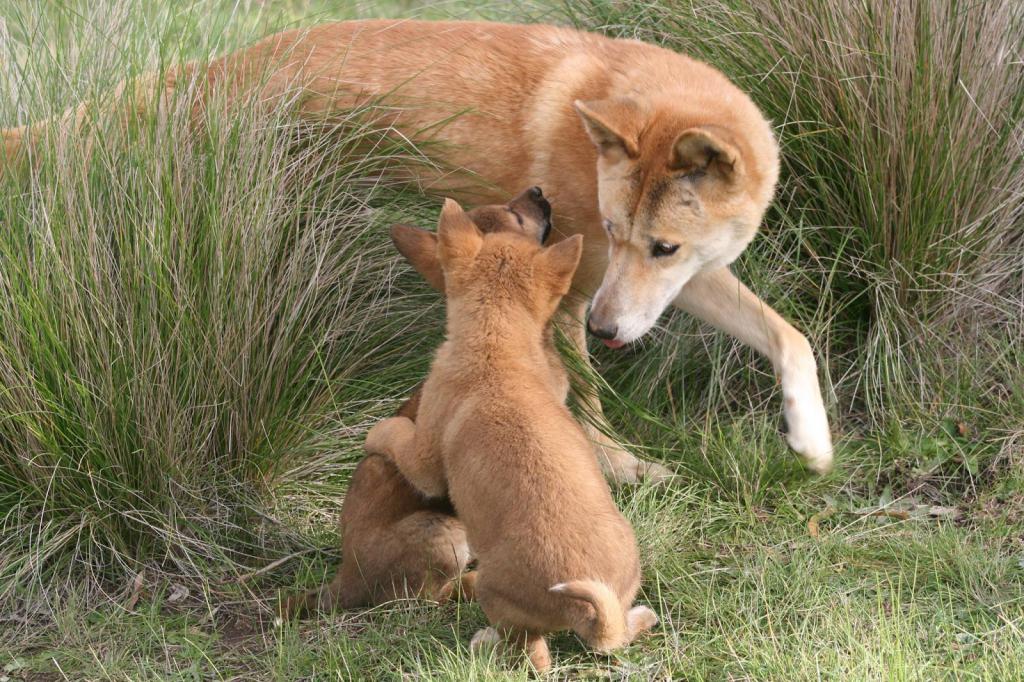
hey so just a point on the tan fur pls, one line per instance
(681, 156)
(396, 543)
(494, 434)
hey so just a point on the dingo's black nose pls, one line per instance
(606, 333)
(535, 192)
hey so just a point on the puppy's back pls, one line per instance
(526, 477)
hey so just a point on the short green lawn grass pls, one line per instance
(152, 512)
(744, 592)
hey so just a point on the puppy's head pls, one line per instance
(680, 192)
(502, 271)
(527, 214)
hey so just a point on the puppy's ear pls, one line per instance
(559, 262)
(613, 125)
(419, 247)
(706, 149)
(457, 234)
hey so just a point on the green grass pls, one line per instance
(196, 331)
(744, 592)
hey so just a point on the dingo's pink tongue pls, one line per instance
(613, 343)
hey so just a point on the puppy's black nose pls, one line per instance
(545, 207)
(546, 232)
(606, 333)
(535, 192)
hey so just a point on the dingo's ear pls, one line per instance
(419, 247)
(613, 124)
(706, 150)
(457, 234)
(560, 261)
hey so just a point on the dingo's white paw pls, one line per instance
(807, 424)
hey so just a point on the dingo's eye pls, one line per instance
(608, 225)
(662, 249)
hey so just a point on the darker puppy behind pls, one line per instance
(395, 542)
(493, 433)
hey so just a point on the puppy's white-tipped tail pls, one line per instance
(607, 629)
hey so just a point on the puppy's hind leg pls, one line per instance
(538, 653)
(517, 626)
(534, 645)
(467, 586)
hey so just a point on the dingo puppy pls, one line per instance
(662, 163)
(395, 545)
(493, 433)
(394, 542)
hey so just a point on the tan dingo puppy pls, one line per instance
(493, 434)
(396, 543)
(662, 163)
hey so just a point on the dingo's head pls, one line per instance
(678, 195)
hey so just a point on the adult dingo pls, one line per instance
(658, 160)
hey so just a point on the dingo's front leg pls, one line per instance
(720, 299)
(618, 465)
(395, 438)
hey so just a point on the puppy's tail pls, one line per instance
(606, 629)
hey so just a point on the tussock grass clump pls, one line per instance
(187, 311)
(176, 318)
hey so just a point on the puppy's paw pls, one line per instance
(640, 619)
(486, 639)
(381, 437)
